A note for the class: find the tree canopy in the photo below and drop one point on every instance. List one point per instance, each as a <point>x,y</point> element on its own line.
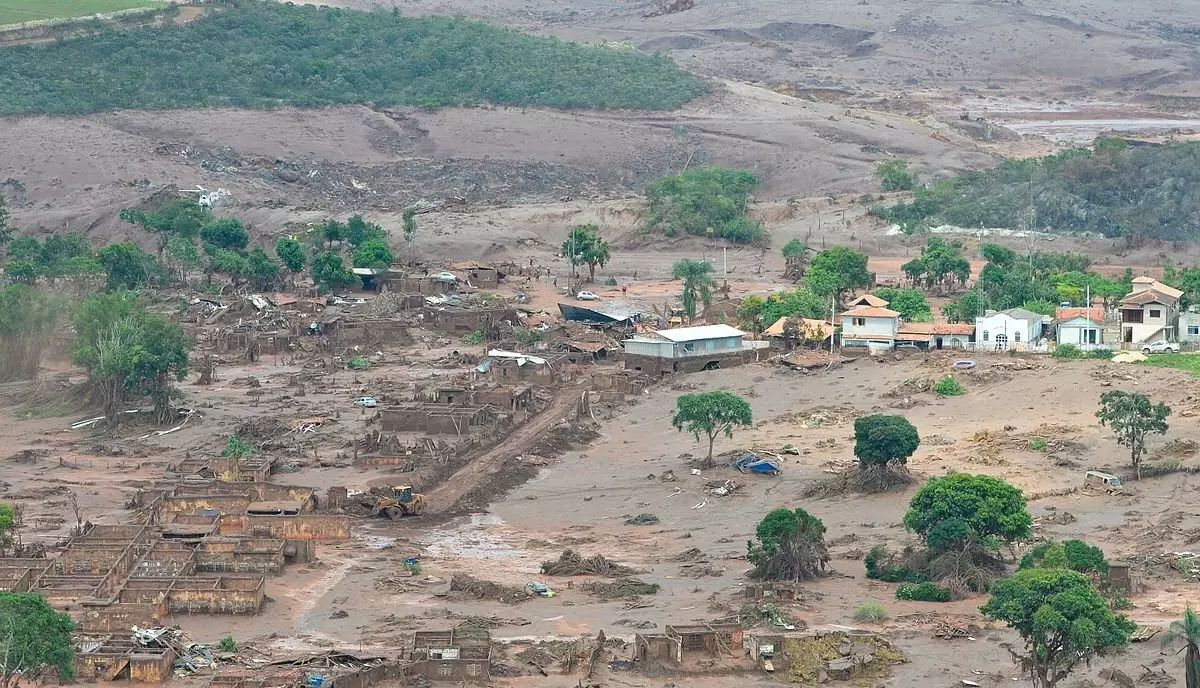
<point>704,201</point>
<point>373,253</point>
<point>329,273</point>
<point>894,175</point>
<point>697,283</point>
<point>881,439</point>
<point>181,217</point>
<point>227,232</point>
<point>583,246</point>
<point>1061,618</point>
<point>909,303</point>
<point>940,265</point>
<point>291,252</point>
<point>263,54</point>
<point>711,414</point>
<point>988,507</point>
<point>33,636</point>
<point>836,271</point>
<point>1132,416</point>
<point>790,547</point>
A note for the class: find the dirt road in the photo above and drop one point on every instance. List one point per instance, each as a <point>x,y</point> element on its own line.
<point>447,495</point>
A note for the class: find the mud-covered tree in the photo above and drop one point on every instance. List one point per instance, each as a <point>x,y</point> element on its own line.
<point>959,509</point>
<point>795,253</point>
<point>583,246</point>
<point>27,320</point>
<point>880,439</point>
<point>410,230</point>
<point>1132,416</point>
<point>182,217</point>
<point>1061,618</point>
<point>33,637</point>
<point>6,229</point>
<point>262,272</point>
<point>697,283</point>
<point>790,546</point>
<point>291,252</point>
<point>711,414</point>
<point>1187,631</point>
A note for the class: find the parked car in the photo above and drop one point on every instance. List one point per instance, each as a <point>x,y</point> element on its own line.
<point>366,402</point>
<point>587,296</point>
<point>1160,347</point>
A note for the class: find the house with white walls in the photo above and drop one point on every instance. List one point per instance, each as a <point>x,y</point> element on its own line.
<point>874,327</point>
<point>1150,312</point>
<point>1015,328</point>
<point>1081,326</point>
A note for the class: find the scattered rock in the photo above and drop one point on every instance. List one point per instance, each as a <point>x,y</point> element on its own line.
<point>642,520</point>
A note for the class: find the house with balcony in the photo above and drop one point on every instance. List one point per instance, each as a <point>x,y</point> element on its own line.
<point>689,349</point>
<point>1150,312</point>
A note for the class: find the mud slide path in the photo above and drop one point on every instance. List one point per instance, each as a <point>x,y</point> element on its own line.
<point>446,496</point>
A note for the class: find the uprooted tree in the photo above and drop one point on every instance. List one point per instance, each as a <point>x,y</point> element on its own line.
<point>790,546</point>
<point>711,414</point>
<point>883,445</point>
<point>33,637</point>
<point>1061,618</point>
<point>1132,416</point>
<point>130,354</point>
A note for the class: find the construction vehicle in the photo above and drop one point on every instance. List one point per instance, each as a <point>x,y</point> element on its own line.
<point>674,317</point>
<point>395,502</point>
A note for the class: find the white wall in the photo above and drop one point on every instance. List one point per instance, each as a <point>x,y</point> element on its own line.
<point>1002,324</point>
<point>872,328</point>
<point>1077,334</point>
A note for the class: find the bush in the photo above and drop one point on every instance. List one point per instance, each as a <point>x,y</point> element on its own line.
<point>358,363</point>
<point>743,230</point>
<point>881,567</point>
<point>475,337</point>
<point>706,201</point>
<point>1104,354</point>
<point>227,644</point>
<point>1037,444</point>
<point>235,447</point>
<point>894,175</point>
<point>611,281</point>
<point>949,386</point>
<point>923,592</point>
<point>872,612</point>
<point>1067,351</point>
<point>263,54</point>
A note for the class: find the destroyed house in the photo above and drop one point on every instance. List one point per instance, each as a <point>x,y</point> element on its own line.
<point>686,349</point>
<point>452,655</point>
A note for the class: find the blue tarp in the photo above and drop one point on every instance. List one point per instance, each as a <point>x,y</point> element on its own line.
<point>751,462</point>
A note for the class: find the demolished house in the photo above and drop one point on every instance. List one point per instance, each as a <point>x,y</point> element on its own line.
<point>458,654</point>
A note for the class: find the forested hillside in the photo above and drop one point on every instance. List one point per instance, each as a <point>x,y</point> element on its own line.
<point>260,54</point>
<point>1118,190</point>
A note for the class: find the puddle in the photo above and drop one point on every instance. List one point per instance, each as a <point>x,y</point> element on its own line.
<point>471,538</point>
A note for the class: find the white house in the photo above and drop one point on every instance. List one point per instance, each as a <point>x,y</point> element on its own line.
<point>1150,312</point>
<point>688,349</point>
<point>1015,328</point>
<point>1189,326</point>
<point>870,326</point>
<point>1081,326</point>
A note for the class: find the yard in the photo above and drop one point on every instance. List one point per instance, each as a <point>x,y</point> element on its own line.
<point>1189,362</point>
<point>21,11</point>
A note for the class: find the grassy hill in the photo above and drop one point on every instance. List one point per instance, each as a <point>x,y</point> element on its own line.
<point>21,11</point>
<point>1119,189</point>
<point>261,54</point>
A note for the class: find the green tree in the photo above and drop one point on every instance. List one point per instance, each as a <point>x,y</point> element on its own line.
<point>227,233</point>
<point>373,254</point>
<point>583,246</point>
<point>1132,416</point>
<point>410,230</point>
<point>6,228</point>
<point>226,261</point>
<point>1187,630</point>
<point>800,301</point>
<point>1061,618</point>
<point>991,509</point>
<point>697,283</point>
<point>8,516</point>
<point>894,175</point>
<point>791,546</point>
<point>941,264</point>
<point>1076,555</point>
<point>359,231</point>
<point>1042,306</point>
<point>880,439</point>
<point>33,636</point>
<point>711,414</point>
<point>795,254</point>
<point>909,303</point>
<point>182,251</point>
<point>261,270</point>
<point>329,273</point>
<point>750,312</point>
<point>129,267</point>
<point>704,201</point>
<point>181,217</point>
<point>159,359</point>
<point>836,271</point>
<point>291,252</point>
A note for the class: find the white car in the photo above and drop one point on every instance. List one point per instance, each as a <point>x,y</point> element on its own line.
<point>366,402</point>
<point>587,296</point>
<point>1160,347</point>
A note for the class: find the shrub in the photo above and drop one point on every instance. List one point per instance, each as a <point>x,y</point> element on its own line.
<point>611,281</point>
<point>894,175</point>
<point>358,363</point>
<point>881,566</point>
<point>475,337</point>
<point>235,447</point>
<point>706,201</point>
<point>923,592</point>
<point>1068,351</point>
<point>1037,444</point>
<point>227,644</point>
<point>949,386</point>
<point>872,612</point>
<point>1104,354</point>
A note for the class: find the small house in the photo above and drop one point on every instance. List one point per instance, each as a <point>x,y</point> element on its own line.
<point>686,349</point>
<point>1150,312</point>
<point>790,331</point>
<point>1080,326</point>
<point>1015,328</point>
<point>1189,325</point>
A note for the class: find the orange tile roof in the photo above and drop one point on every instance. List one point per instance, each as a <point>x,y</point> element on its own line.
<point>1072,312</point>
<point>870,312</point>
<point>953,328</point>
<point>870,300</point>
<point>819,328</point>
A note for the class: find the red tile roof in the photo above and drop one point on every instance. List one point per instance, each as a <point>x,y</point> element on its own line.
<point>871,312</point>
<point>1069,313</point>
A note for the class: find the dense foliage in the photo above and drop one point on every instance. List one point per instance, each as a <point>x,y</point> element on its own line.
<point>706,201</point>
<point>923,592</point>
<point>1187,630</point>
<point>894,175</point>
<point>261,54</point>
<point>27,319</point>
<point>1117,190</point>
<point>940,265</point>
<point>711,414</point>
<point>1061,618</point>
<point>909,303</point>
<point>1076,555</point>
<point>33,636</point>
<point>1132,416</point>
<point>790,547</point>
<point>583,246</point>
<point>880,439</point>
<point>949,509</point>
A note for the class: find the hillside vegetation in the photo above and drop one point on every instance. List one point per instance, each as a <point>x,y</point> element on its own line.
<point>1138,192</point>
<point>21,11</point>
<point>260,54</point>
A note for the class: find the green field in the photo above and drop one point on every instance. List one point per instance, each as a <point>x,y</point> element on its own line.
<point>1186,362</point>
<point>21,11</point>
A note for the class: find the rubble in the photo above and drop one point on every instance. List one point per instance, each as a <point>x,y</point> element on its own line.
<point>642,520</point>
<point>625,587</point>
<point>571,563</point>
<point>473,588</point>
<point>839,656</point>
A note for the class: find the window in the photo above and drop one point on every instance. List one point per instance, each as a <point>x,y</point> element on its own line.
<point>1155,313</point>
<point>985,335</point>
<point>1017,336</point>
<point>689,346</point>
<point>860,322</point>
<point>710,345</point>
<point>1091,336</point>
<point>1194,329</point>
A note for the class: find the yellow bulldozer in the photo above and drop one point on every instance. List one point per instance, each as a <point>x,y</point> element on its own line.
<point>395,502</point>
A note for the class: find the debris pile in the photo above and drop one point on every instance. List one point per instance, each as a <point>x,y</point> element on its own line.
<point>828,416</point>
<point>911,386</point>
<point>839,656</point>
<point>625,587</point>
<point>642,520</point>
<point>571,563</point>
<point>474,588</point>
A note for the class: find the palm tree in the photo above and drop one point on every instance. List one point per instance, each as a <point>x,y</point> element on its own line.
<point>1187,629</point>
<point>697,283</point>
